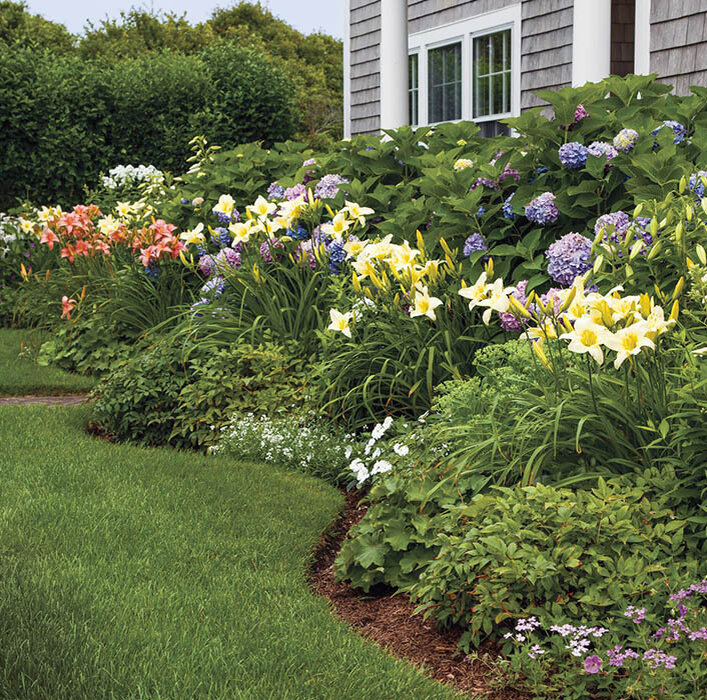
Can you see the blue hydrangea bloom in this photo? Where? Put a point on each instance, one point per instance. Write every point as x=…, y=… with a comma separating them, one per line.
x=337, y=255
x=695, y=184
x=216, y=285
x=223, y=218
x=480, y=212
x=569, y=257
x=474, y=243
x=299, y=233
x=184, y=200
x=276, y=191
x=151, y=272
x=508, y=208
x=573, y=155
x=678, y=129
x=222, y=237
x=619, y=220
x=542, y=209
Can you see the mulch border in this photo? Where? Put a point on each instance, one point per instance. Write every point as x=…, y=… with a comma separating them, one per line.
x=388, y=620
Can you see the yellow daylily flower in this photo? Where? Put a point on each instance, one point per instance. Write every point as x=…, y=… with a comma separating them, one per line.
x=587, y=337
x=357, y=212
x=629, y=341
x=261, y=207
x=424, y=304
x=194, y=236
x=340, y=322
x=476, y=292
x=225, y=205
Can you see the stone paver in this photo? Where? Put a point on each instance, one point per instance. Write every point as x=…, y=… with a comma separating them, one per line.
x=72, y=400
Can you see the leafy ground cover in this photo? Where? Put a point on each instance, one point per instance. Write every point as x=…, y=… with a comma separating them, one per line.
x=21, y=375
x=129, y=572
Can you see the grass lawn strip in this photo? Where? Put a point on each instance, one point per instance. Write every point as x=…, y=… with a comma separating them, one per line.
x=136, y=573
x=21, y=375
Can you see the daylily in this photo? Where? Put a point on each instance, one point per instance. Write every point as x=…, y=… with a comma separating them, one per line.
x=358, y=213
x=340, y=322
x=497, y=299
x=425, y=305
x=44, y=214
x=225, y=205
x=587, y=336
x=629, y=341
x=124, y=209
x=194, y=236
x=67, y=306
x=241, y=231
x=355, y=248
x=26, y=226
x=338, y=226
x=261, y=207
x=476, y=293
x=49, y=237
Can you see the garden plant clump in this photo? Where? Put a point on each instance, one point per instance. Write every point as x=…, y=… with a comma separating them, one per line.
x=502, y=339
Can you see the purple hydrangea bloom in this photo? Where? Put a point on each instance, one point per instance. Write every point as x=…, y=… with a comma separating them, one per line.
x=619, y=220
x=625, y=140
x=569, y=257
x=276, y=191
x=294, y=192
x=206, y=265
x=509, y=172
x=328, y=186
x=223, y=218
x=580, y=113
x=508, y=208
x=573, y=155
x=678, y=129
x=268, y=247
x=695, y=184
x=229, y=257
x=600, y=148
x=542, y=209
x=474, y=243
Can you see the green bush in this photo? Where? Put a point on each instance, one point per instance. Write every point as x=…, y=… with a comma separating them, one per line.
x=64, y=120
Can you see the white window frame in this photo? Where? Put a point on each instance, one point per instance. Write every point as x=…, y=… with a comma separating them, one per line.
x=465, y=31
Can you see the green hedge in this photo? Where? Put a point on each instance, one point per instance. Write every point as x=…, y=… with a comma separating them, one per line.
x=64, y=120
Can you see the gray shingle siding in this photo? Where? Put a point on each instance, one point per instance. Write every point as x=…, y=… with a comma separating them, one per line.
x=428, y=14
x=546, y=48
x=679, y=43
x=365, y=66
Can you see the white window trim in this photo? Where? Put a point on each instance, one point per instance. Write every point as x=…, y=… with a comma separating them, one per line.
x=464, y=31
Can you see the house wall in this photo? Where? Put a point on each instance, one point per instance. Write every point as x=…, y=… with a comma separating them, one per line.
x=365, y=28
x=679, y=43
x=546, y=48
x=428, y=14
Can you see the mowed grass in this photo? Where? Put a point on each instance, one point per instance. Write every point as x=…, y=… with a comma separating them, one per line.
x=21, y=375
x=135, y=573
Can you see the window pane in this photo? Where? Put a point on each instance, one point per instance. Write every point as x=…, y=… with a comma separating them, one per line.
x=413, y=88
x=412, y=71
x=497, y=52
x=497, y=93
x=481, y=97
x=492, y=74
x=481, y=55
x=444, y=83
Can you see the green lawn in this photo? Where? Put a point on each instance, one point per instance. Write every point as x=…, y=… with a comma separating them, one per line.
x=135, y=573
x=21, y=375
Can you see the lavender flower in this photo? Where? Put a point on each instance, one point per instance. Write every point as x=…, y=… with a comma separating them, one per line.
x=542, y=209
x=625, y=140
x=473, y=243
x=637, y=615
x=658, y=658
x=276, y=191
x=600, y=148
x=508, y=208
x=221, y=237
x=619, y=220
x=216, y=285
x=535, y=650
x=486, y=182
x=328, y=186
x=618, y=656
x=480, y=212
x=573, y=155
x=509, y=172
x=569, y=257
x=678, y=129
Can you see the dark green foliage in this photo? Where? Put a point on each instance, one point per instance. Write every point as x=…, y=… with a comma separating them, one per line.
x=64, y=120
x=19, y=28
x=171, y=394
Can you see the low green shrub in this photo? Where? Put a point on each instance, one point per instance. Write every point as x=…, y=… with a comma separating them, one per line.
x=538, y=550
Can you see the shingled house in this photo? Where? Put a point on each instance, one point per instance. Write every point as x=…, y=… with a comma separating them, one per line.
x=426, y=61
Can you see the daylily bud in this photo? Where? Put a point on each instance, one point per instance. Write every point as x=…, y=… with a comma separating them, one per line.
x=566, y=323
x=518, y=308
x=420, y=242
x=688, y=213
x=704, y=204
x=678, y=232
x=540, y=353
x=674, y=312
x=682, y=185
x=598, y=264
x=355, y=282
x=654, y=227
x=488, y=267
x=635, y=249
x=629, y=271
x=655, y=249
x=689, y=263
x=637, y=211
x=678, y=288
x=569, y=299
x=701, y=254
x=445, y=247
x=645, y=304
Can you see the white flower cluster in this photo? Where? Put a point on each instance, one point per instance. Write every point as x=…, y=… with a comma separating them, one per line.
x=128, y=175
x=9, y=226
x=373, y=460
x=297, y=443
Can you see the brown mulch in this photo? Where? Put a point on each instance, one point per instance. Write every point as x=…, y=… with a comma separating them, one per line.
x=67, y=400
x=388, y=620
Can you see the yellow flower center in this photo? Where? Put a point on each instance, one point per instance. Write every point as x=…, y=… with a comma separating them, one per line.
x=588, y=337
x=424, y=305
x=629, y=341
